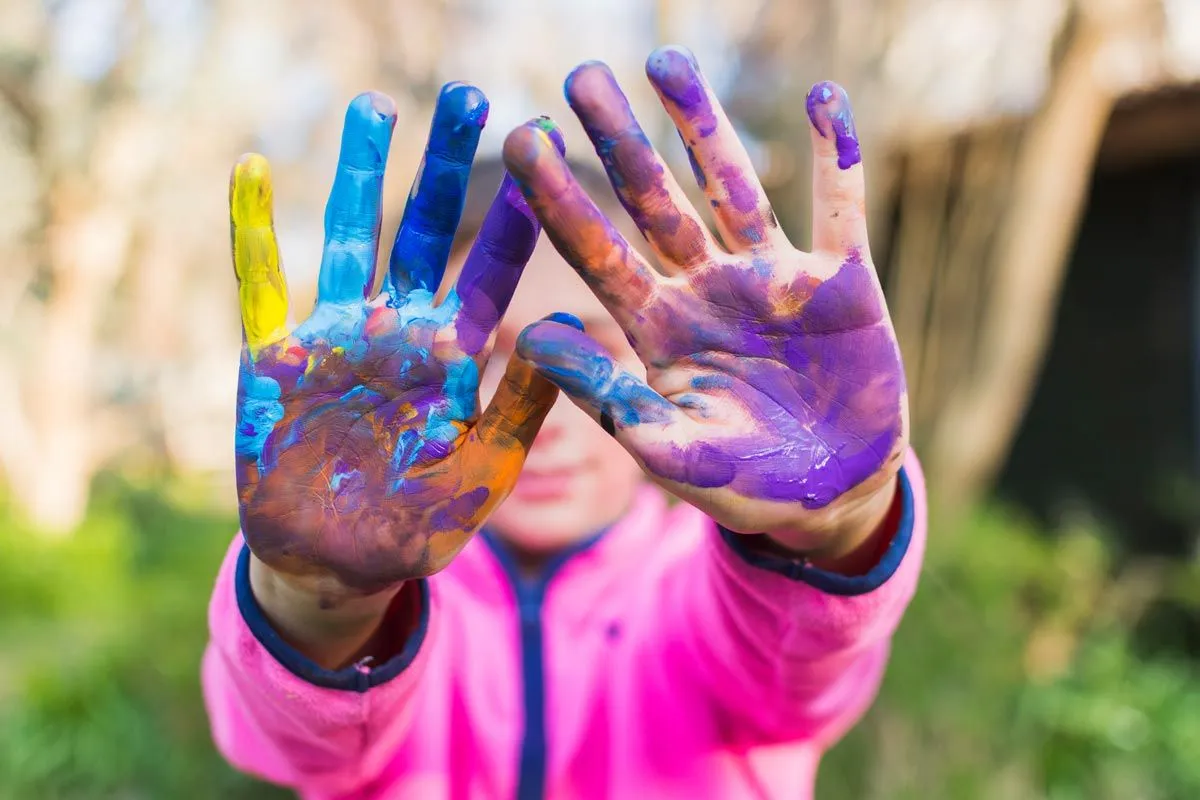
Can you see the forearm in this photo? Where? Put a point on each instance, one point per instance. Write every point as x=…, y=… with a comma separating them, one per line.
x=331, y=627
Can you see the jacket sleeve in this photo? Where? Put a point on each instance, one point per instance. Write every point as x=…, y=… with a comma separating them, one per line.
x=278, y=715
x=788, y=651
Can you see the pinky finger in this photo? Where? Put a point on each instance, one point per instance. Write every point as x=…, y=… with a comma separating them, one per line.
x=262, y=290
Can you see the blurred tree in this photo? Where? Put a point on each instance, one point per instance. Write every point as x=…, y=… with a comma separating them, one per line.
x=983, y=120
x=119, y=121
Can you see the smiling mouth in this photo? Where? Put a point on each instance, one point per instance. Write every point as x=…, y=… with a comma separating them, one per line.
x=535, y=486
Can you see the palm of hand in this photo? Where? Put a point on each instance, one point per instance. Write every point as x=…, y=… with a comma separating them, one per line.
x=350, y=430
x=362, y=459
x=793, y=382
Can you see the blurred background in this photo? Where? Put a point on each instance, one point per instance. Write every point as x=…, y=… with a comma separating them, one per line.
x=1034, y=172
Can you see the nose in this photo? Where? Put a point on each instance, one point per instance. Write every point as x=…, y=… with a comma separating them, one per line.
x=555, y=425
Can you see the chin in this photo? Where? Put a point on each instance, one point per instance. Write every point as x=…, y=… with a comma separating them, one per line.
x=539, y=526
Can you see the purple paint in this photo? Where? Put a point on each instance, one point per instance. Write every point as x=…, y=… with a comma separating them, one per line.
x=489, y=276
x=674, y=72
x=638, y=175
x=742, y=195
x=819, y=377
x=830, y=113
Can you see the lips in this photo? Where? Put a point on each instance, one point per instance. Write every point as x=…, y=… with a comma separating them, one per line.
x=544, y=485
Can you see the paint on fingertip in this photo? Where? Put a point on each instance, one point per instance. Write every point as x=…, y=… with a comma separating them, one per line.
x=466, y=104
x=563, y=318
x=551, y=129
x=674, y=72
x=830, y=113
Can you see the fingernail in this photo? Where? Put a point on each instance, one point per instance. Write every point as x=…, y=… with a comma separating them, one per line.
x=378, y=102
x=466, y=104
x=830, y=113
x=564, y=318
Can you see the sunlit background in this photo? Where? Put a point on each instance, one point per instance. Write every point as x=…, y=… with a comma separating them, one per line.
x=1034, y=178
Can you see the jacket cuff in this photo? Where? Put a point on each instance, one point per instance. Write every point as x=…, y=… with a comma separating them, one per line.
x=354, y=678
x=832, y=582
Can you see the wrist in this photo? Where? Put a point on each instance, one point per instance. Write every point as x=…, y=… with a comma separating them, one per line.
x=850, y=541
x=326, y=622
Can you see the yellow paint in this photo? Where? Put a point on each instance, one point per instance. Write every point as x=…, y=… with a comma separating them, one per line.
x=262, y=291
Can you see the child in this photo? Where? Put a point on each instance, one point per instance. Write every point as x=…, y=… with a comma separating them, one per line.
x=593, y=641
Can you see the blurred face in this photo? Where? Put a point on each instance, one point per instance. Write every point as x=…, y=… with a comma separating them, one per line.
x=577, y=479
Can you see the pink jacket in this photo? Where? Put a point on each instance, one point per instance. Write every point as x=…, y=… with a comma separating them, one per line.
x=663, y=659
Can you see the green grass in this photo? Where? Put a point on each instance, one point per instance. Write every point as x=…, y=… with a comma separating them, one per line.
x=1014, y=675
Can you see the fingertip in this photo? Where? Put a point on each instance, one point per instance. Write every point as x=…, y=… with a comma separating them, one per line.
x=832, y=118
x=551, y=129
x=250, y=192
x=464, y=104
x=585, y=79
x=526, y=146
x=563, y=318
x=367, y=134
x=673, y=69
x=374, y=106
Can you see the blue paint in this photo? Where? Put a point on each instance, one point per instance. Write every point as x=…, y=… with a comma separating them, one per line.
x=563, y=318
x=422, y=246
x=353, y=212
x=578, y=365
x=702, y=382
x=259, y=410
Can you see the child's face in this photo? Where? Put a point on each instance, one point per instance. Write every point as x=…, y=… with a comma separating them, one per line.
x=577, y=479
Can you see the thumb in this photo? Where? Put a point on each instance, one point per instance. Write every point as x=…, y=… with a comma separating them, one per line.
x=624, y=403
x=509, y=424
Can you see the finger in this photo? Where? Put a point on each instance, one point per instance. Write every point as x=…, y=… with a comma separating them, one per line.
x=586, y=238
x=493, y=267
x=352, y=215
x=641, y=179
x=262, y=290
x=521, y=402
x=495, y=448
x=722, y=166
x=839, y=193
x=435, y=204
x=577, y=364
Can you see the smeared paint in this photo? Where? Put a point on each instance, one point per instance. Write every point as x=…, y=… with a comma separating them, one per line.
x=796, y=388
x=435, y=203
x=638, y=174
x=819, y=382
x=676, y=75
x=360, y=451
x=719, y=161
x=581, y=368
x=353, y=213
x=262, y=291
x=493, y=266
x=546, y=182
x=830, y=113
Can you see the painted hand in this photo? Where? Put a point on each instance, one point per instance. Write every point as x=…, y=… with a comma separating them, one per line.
x=774, y=395
x=362, y=458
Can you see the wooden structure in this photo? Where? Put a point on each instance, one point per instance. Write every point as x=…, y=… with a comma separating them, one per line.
x=984, y=123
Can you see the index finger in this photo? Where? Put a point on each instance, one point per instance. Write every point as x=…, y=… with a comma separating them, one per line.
x=580, y=231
